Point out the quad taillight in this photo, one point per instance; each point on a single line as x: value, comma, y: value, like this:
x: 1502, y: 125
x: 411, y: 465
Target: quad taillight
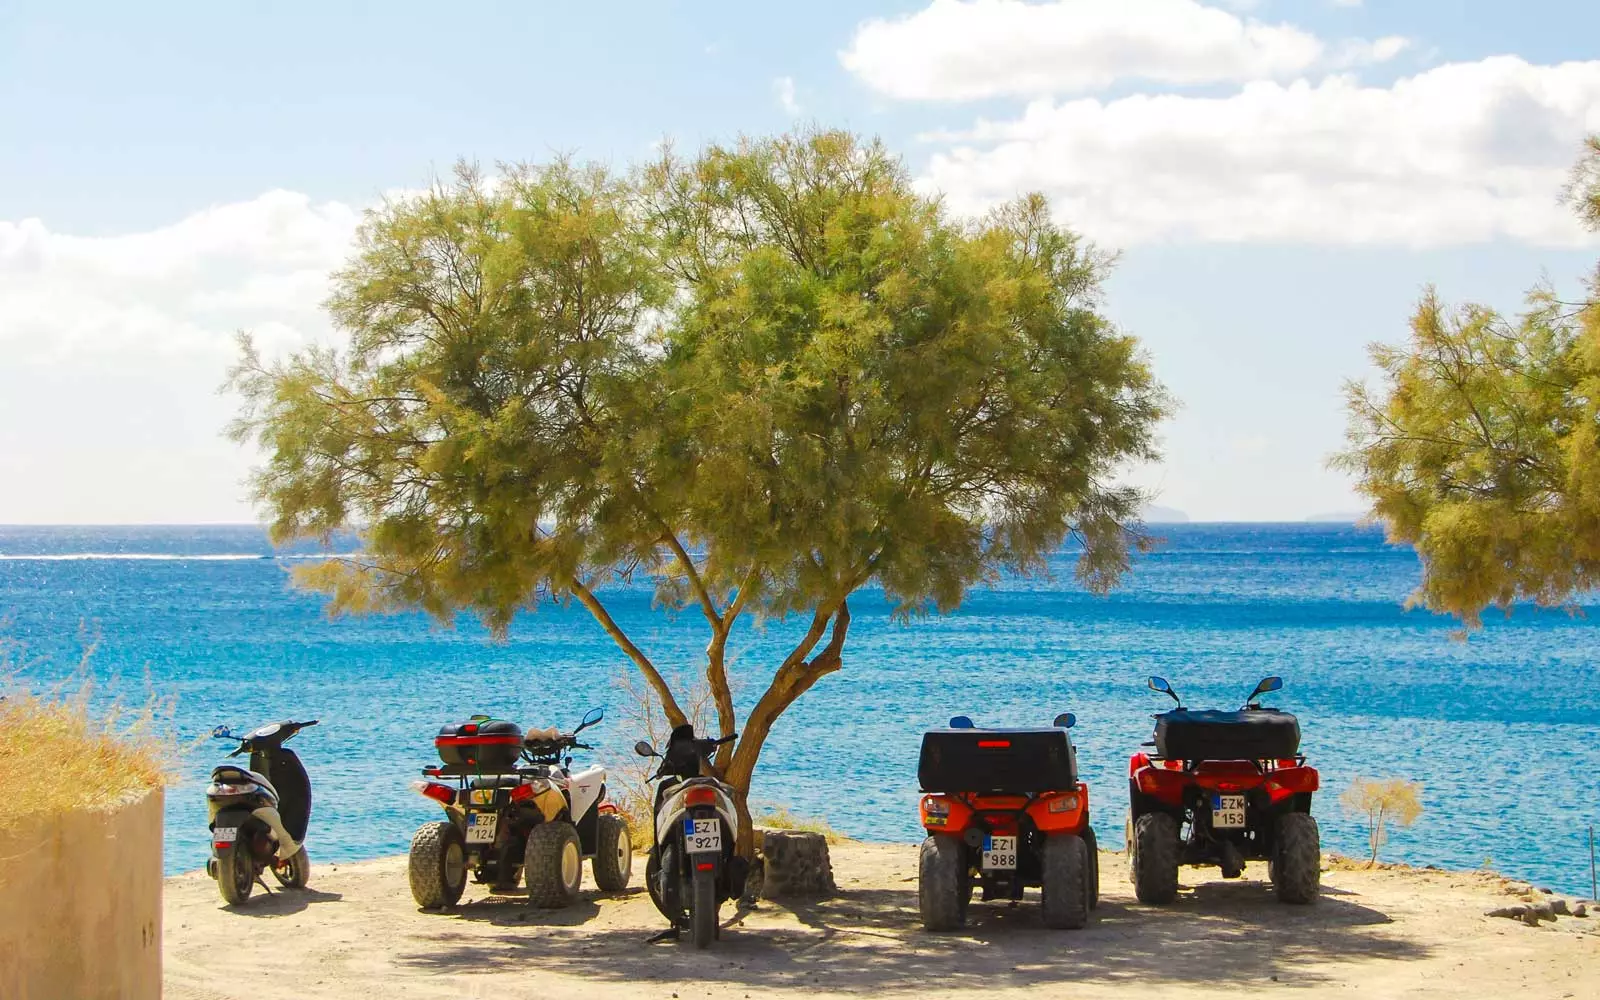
x: 443, y: 794
x: 1063, y: 804
x: 994, y: 744
x: 701, y: 796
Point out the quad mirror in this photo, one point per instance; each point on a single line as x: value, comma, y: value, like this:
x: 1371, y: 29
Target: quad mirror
x: 221, y: 733
x: 1269, y: 684
x: 1066, y: 720
x: 644, y: 749
x: 1160, y: 684
x: 962, y: 722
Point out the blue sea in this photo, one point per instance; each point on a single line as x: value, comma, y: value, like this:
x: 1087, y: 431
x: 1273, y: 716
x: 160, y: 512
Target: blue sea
x: 1503, y: 730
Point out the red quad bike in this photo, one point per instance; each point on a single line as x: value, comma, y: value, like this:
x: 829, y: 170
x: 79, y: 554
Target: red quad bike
x: 514, y: 807
x: 1004, y: 810
x: 1223, y: 788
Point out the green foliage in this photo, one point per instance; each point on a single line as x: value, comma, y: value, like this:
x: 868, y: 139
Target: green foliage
x: 1481, y: 448
x: 761, y: 377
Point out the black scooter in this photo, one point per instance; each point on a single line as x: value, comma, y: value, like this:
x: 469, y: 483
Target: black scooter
x: 255, y: 811
x: 692, y: 867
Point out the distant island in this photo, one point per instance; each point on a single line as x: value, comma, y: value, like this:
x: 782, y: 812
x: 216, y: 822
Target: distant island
x: 1164, y: 515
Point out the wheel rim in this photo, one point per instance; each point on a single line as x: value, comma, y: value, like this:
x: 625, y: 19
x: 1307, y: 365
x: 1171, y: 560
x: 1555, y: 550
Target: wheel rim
x: 244, y: 874
x: 624, y: 853
x: 571, y: 864
x: 455, y: 865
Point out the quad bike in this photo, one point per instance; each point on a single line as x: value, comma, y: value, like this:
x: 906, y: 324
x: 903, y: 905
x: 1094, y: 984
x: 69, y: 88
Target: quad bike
x: 259, y: 815
x: 515, y: 808
x: 693, y: 867
x: 1004, y: 810
x: 1223, y: 788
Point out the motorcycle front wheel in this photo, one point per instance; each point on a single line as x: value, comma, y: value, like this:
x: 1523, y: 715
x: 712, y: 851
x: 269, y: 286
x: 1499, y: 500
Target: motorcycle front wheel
x: 236, y: 873
x: 703, y: 909
x: 294, y: 873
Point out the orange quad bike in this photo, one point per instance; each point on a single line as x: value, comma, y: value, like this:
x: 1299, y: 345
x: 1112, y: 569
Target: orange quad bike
x: 1223, y: 788
x: 1004, y: 810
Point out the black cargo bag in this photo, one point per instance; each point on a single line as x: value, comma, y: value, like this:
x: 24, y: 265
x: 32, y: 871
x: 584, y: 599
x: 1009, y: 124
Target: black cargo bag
x: 1017, y: 761
x: 1258, y: 734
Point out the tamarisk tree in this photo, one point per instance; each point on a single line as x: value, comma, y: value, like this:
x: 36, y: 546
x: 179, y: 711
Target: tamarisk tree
x: 764, y: 378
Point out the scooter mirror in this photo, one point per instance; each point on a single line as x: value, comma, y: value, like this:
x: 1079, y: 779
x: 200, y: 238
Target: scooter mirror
x: 593, y: 716
x: 644, y: 749
x: 1066, y: 720
x: 962, y: 722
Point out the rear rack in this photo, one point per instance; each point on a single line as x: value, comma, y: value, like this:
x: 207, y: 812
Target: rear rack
x: 473, y: 771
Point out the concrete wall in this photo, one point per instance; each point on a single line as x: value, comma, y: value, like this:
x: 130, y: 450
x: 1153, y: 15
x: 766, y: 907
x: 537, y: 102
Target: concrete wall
x: 80, y: 905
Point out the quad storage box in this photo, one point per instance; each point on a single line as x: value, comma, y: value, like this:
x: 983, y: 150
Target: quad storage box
x: 1252, y: 734
x: 1020, y: 761
x: 487, y: 744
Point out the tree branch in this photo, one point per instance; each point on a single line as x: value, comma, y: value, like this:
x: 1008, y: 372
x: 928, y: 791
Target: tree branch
x: 657, y: 683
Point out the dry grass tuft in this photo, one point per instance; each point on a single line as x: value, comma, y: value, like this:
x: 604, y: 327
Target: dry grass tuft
x: 57, y: 756
x: 781, y: 818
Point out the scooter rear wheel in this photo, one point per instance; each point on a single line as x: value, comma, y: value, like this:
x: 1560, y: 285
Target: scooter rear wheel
x: 703, y: 909
x: 236, y: 873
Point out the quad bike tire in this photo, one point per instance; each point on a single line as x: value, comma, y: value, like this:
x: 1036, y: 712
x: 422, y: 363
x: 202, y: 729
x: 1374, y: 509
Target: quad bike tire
x: 1155, y: 859
x: 1093, y: 845
x: 236, y: 873
x: 1297, y: 863
x: 703, y: 909
x: 613, y: 854
x: 943, y: 887
x: 296, y: 872
x: 554, y: 865
x: 437, y: 866
x: 1064, y: 864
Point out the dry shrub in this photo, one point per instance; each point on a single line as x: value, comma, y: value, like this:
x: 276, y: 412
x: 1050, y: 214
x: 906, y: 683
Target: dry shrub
x: 780, y: 818
x: 628, y: 776
x: 56, y: 755
x: 1396, y: 801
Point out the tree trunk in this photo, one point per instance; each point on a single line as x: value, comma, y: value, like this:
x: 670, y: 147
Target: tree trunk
x: 793, y: 679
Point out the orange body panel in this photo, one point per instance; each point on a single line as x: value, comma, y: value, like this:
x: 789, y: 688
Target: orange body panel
x: 942, y: 813
x: 1166, y: 779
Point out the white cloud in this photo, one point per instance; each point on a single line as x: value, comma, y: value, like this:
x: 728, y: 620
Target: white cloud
x: 783, y: 87
x: 956, y: 50
x: 261, y: 264
x: 1460, y: 153
x: 112, y: 350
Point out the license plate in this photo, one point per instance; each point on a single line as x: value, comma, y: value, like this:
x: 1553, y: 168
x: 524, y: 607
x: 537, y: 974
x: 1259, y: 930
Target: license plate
x: 703, y: 836
x: 224, y: 835
x: 1227, y: 812
x: 481, y: 827
x: 999, y: 853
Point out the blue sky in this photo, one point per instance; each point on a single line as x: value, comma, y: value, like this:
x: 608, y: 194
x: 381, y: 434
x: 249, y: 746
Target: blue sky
x: 1281, y: 178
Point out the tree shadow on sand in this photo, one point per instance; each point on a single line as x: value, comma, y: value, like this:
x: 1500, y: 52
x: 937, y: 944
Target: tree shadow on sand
x: 871, y: 941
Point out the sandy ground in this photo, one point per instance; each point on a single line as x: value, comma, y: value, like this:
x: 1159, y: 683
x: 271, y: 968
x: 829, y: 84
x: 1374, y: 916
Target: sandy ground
x: 1392, y: 933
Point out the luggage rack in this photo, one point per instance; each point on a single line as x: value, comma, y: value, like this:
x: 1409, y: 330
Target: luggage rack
x: 1191, y: 763
x: 474, y: 771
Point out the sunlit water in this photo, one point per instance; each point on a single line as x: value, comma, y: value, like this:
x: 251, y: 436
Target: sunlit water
x: 1500, y: 730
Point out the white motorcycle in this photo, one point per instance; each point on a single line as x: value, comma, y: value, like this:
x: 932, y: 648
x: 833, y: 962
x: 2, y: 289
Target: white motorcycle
x: 515, y: 809
x: 259, y: 815
x: 693, y: 866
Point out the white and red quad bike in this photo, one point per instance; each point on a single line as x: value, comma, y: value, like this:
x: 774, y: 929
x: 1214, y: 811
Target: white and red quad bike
x: 515, y: 809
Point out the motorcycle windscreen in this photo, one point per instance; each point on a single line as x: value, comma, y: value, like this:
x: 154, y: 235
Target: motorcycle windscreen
x: 294, y: 792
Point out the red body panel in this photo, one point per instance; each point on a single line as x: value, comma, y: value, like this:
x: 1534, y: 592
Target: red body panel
x: 1166, y: 780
